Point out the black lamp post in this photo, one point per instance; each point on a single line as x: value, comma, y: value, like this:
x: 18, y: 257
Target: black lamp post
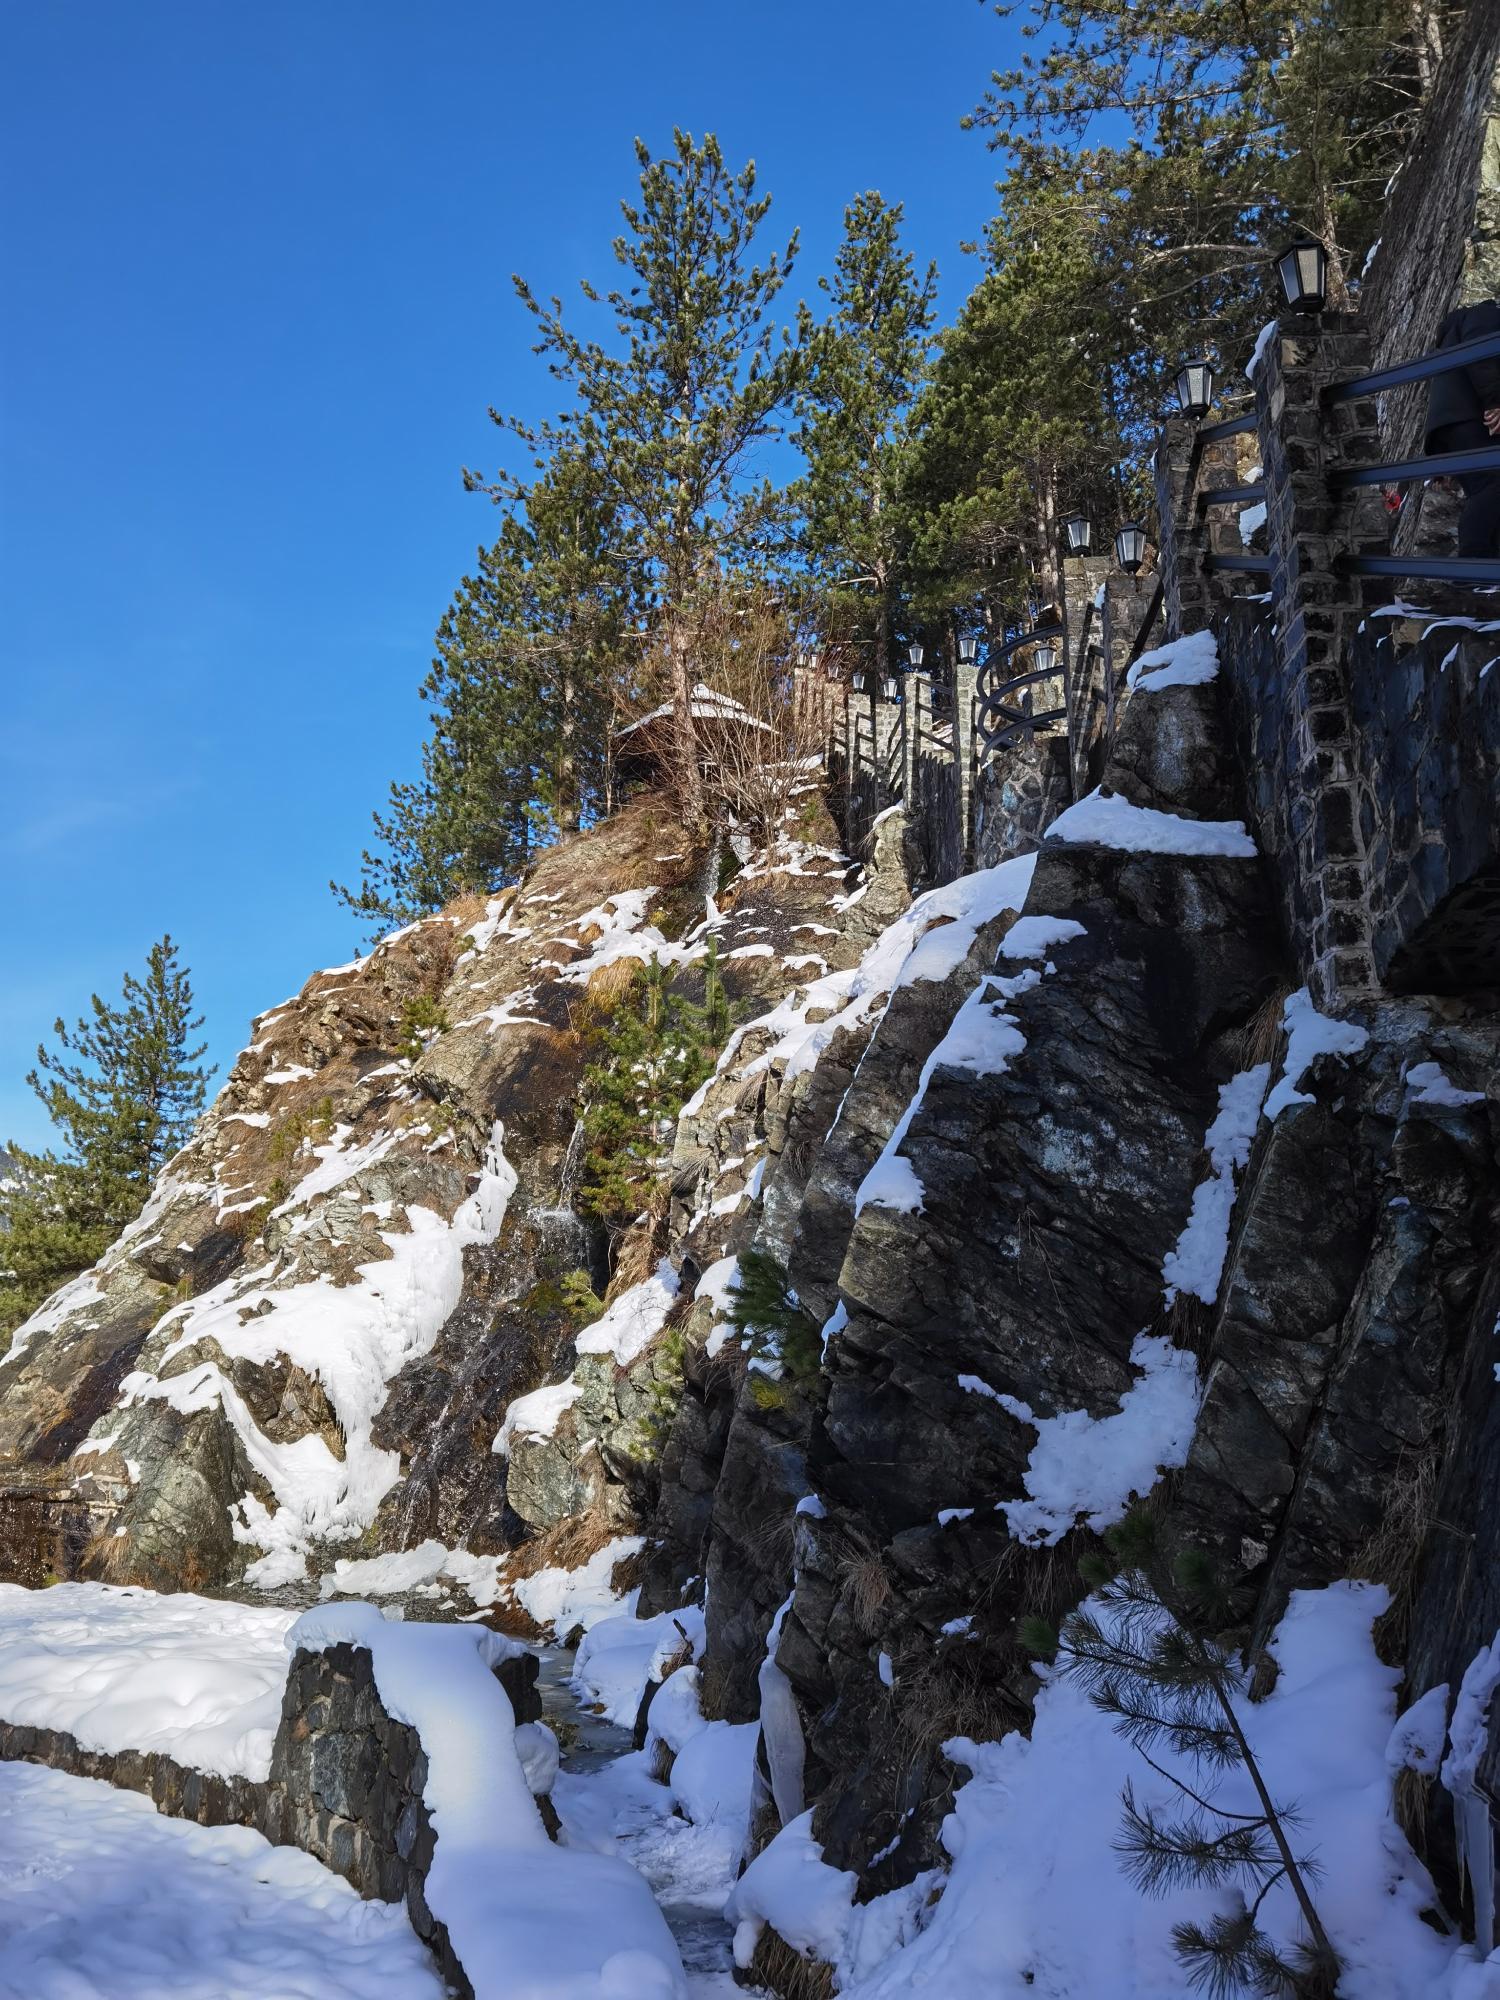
x: 1195, y: 387
x: 1130, y: 547
x: 1045, y: 657
x: 857, y: 679
x: 1303, y: 270
x: 890, y: 686
x: 915, y: 655
x: 1079, y: 530
x: 968, y: 650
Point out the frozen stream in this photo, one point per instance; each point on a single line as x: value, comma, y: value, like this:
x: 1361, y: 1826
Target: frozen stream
x: 607, y: 1800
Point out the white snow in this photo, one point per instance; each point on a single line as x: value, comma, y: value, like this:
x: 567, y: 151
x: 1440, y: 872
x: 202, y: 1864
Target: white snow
x: 619, y: 1655
x: 1037, y: 1901
x: 126, y: 1669
x: 1416, y: 1742
x: 1468, y: 1738
x: 706, y: 704
x: 1114, y: 822
x: 101, y: 1898
x: 1309, y: 1035
x: 566, y: 1598
x: 928, y: 941
x: 1089, y: 1468
x: 528, y: 1920
x: 1432, y: 1086
x: 983, y: 1039
x: 353, y: 1338
x: 537, y: 1414
x: 391, y: 1575
x: 630, y: 1325
x: 1196, y: 1264
x: 791, y: 1887
x: 1262, y: 341
x: 1034, y: 937
x: 1186, y: 662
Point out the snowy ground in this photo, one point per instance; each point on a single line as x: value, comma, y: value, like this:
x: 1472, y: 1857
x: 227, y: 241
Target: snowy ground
x: 610, y: 1804
x: 103, y: 1899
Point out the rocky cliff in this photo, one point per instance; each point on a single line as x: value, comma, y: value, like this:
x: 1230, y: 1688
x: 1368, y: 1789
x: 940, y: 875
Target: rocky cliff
x: 1062, y: 1199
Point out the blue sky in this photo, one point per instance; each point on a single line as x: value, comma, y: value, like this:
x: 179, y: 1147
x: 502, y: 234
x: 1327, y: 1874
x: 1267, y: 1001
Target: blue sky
x: 257, y: 303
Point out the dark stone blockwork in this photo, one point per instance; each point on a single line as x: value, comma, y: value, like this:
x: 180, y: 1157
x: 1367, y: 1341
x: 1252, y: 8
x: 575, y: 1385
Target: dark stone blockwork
x: 346, y: 1782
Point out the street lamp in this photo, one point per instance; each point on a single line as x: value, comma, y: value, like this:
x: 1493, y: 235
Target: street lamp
x: 1045, y: 657
x: 1079, y: 530
x: 890, y: 685
x: 914, y: 654
x: 1130, y: 547
x: 857, y: 679
x: 1303, y: 270
x: 968, y: 649
x: 1195, y: 387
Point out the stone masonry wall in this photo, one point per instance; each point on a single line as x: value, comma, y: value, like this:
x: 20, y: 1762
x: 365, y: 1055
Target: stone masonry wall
x: 346, y: 1782
x: 1437, y: 251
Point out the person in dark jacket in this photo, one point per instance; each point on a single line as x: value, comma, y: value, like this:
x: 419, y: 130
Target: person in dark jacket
x: 1463, y: 413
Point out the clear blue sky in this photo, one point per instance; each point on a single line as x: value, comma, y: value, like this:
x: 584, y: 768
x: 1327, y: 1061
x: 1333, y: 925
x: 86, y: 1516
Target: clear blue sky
x: 256, y: 304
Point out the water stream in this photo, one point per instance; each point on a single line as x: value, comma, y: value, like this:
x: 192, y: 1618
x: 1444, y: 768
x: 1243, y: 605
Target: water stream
x: 608, y: 1801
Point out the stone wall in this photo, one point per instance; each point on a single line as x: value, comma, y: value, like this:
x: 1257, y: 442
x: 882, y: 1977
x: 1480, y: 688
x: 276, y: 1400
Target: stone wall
x: 1017, y: 794
x: 1440, y: 241
x: 1426, y: 707
x: 346, y: 1782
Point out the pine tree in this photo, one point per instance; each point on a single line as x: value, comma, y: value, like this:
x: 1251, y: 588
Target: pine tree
x: 865, y: 366
x: 1014, y: 427
x: 1244, y: 125
x: 537, y: 659
x: 1145, y: 1652
x: 123, y: 1090
x: 650, y: 1056
x: 669, y: 412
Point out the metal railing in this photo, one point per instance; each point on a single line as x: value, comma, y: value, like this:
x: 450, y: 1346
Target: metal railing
x: 995, y: 723
x: 1440, y: 361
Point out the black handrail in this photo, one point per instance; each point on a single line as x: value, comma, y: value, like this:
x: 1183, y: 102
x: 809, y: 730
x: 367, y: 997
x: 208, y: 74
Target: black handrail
x: 1439, y: 362
x: 1227, y: 496
x: 1228, y: 427
x: 1439, y: 465
x: 1008, y: 735
x: 1454, y: 569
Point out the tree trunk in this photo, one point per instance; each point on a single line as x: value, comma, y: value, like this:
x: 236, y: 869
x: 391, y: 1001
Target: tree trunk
x: 568, y: 814
x: 685, y: 733
x: 1427, y: 34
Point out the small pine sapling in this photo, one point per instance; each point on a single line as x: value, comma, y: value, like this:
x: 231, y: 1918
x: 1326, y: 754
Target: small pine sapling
x: 1143, y: 1651
x: 771, y: 1319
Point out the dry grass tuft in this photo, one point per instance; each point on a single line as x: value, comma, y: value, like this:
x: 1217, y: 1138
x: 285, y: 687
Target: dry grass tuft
x: 713, y: 1689
x: 1409, y: 1801
x: 601, y: 998
x: 1261, y: 1034
x: 786, y: 1973
x: 865, y: 1589
x: 1393, y: 1554
x: 628, y: 1573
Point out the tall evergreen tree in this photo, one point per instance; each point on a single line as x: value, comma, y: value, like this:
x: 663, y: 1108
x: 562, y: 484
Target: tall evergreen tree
x: 866, y: 363
x: 1015, y: 426
x: 123, y: 1089
x: 1242, y: 123
x: 536, y: 659
x: 669, y: 410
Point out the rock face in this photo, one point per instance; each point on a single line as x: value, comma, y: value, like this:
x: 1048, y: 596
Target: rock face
x: 1049, y: 1156
x: 307, y: 1343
